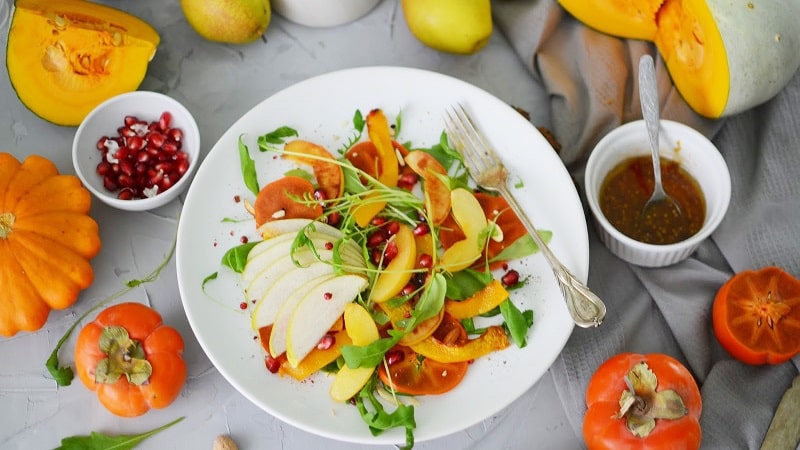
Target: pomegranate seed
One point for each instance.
(109, 183)
(175, 134)
(510, 278)
(164, 120)
(125, 194)
(505, 266)
(237, 198)
(407, 181)
(393, 357)
(156, 139)
(390, 251)
(334, 218)
(126, 167)
(126, 181)
(103, 168)
(378, 221)
(376, 238)
(122, 153)
(319, 195)
(126, 132)
(327, 295)
(392, 228)
(421, 229)
(273, 365)
(243, 239)
(101, 143)
(408, 290)
(329, 246)
(326, 342)
(425, 261)
(130, 120)
(243, 305)
(170, 147)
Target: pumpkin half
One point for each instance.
(46, 241)
(65, 57)
(724, 56)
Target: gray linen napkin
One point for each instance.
(590, 80)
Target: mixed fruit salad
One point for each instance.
(379, 264)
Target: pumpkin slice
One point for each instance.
(65, 57)
(723, 58)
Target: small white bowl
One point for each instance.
(323, 13)
(678, 142)
(106, 118)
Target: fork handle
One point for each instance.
(586, 308)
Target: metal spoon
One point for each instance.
(648, 95)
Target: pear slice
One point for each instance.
(313, 316)
(292, 226)
(278, 267)
(251, 269)
(291, 280)
(277, 337)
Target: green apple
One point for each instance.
(228, 21)
(314, 315)
(455, 26)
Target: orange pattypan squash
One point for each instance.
(46, 242)
(131, 359)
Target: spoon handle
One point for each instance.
(648, 95)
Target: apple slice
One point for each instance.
(291, 280)
(362, 330)
(277, 337)
(436, 192)
(398, 272)
(321, 305)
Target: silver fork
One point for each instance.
(586, 309)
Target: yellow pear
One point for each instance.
(228, 21)
(454, 26)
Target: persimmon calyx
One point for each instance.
(6, 223)
(125, 356)
(641, 405)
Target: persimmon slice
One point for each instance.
(756, 316)
(284, 199)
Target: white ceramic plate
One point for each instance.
(321, 109)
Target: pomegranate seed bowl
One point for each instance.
(137, 151)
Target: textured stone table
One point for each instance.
(218, 84)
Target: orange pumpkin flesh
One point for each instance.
(65, 57)
(46, 242)
(723, 58)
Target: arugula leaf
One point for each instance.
(358, 126)
(236, 257)
(379, 420)
(369, 355)
(100, 441)
(464, 283)
(431, 301)
(248, 168)
(524, 246)
(304, 174)
(63, 375)
(208, 279)
(516, 322)
(267, 141)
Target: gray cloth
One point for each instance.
(590, 81)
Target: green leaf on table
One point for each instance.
(100, 441)
(248, 168)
